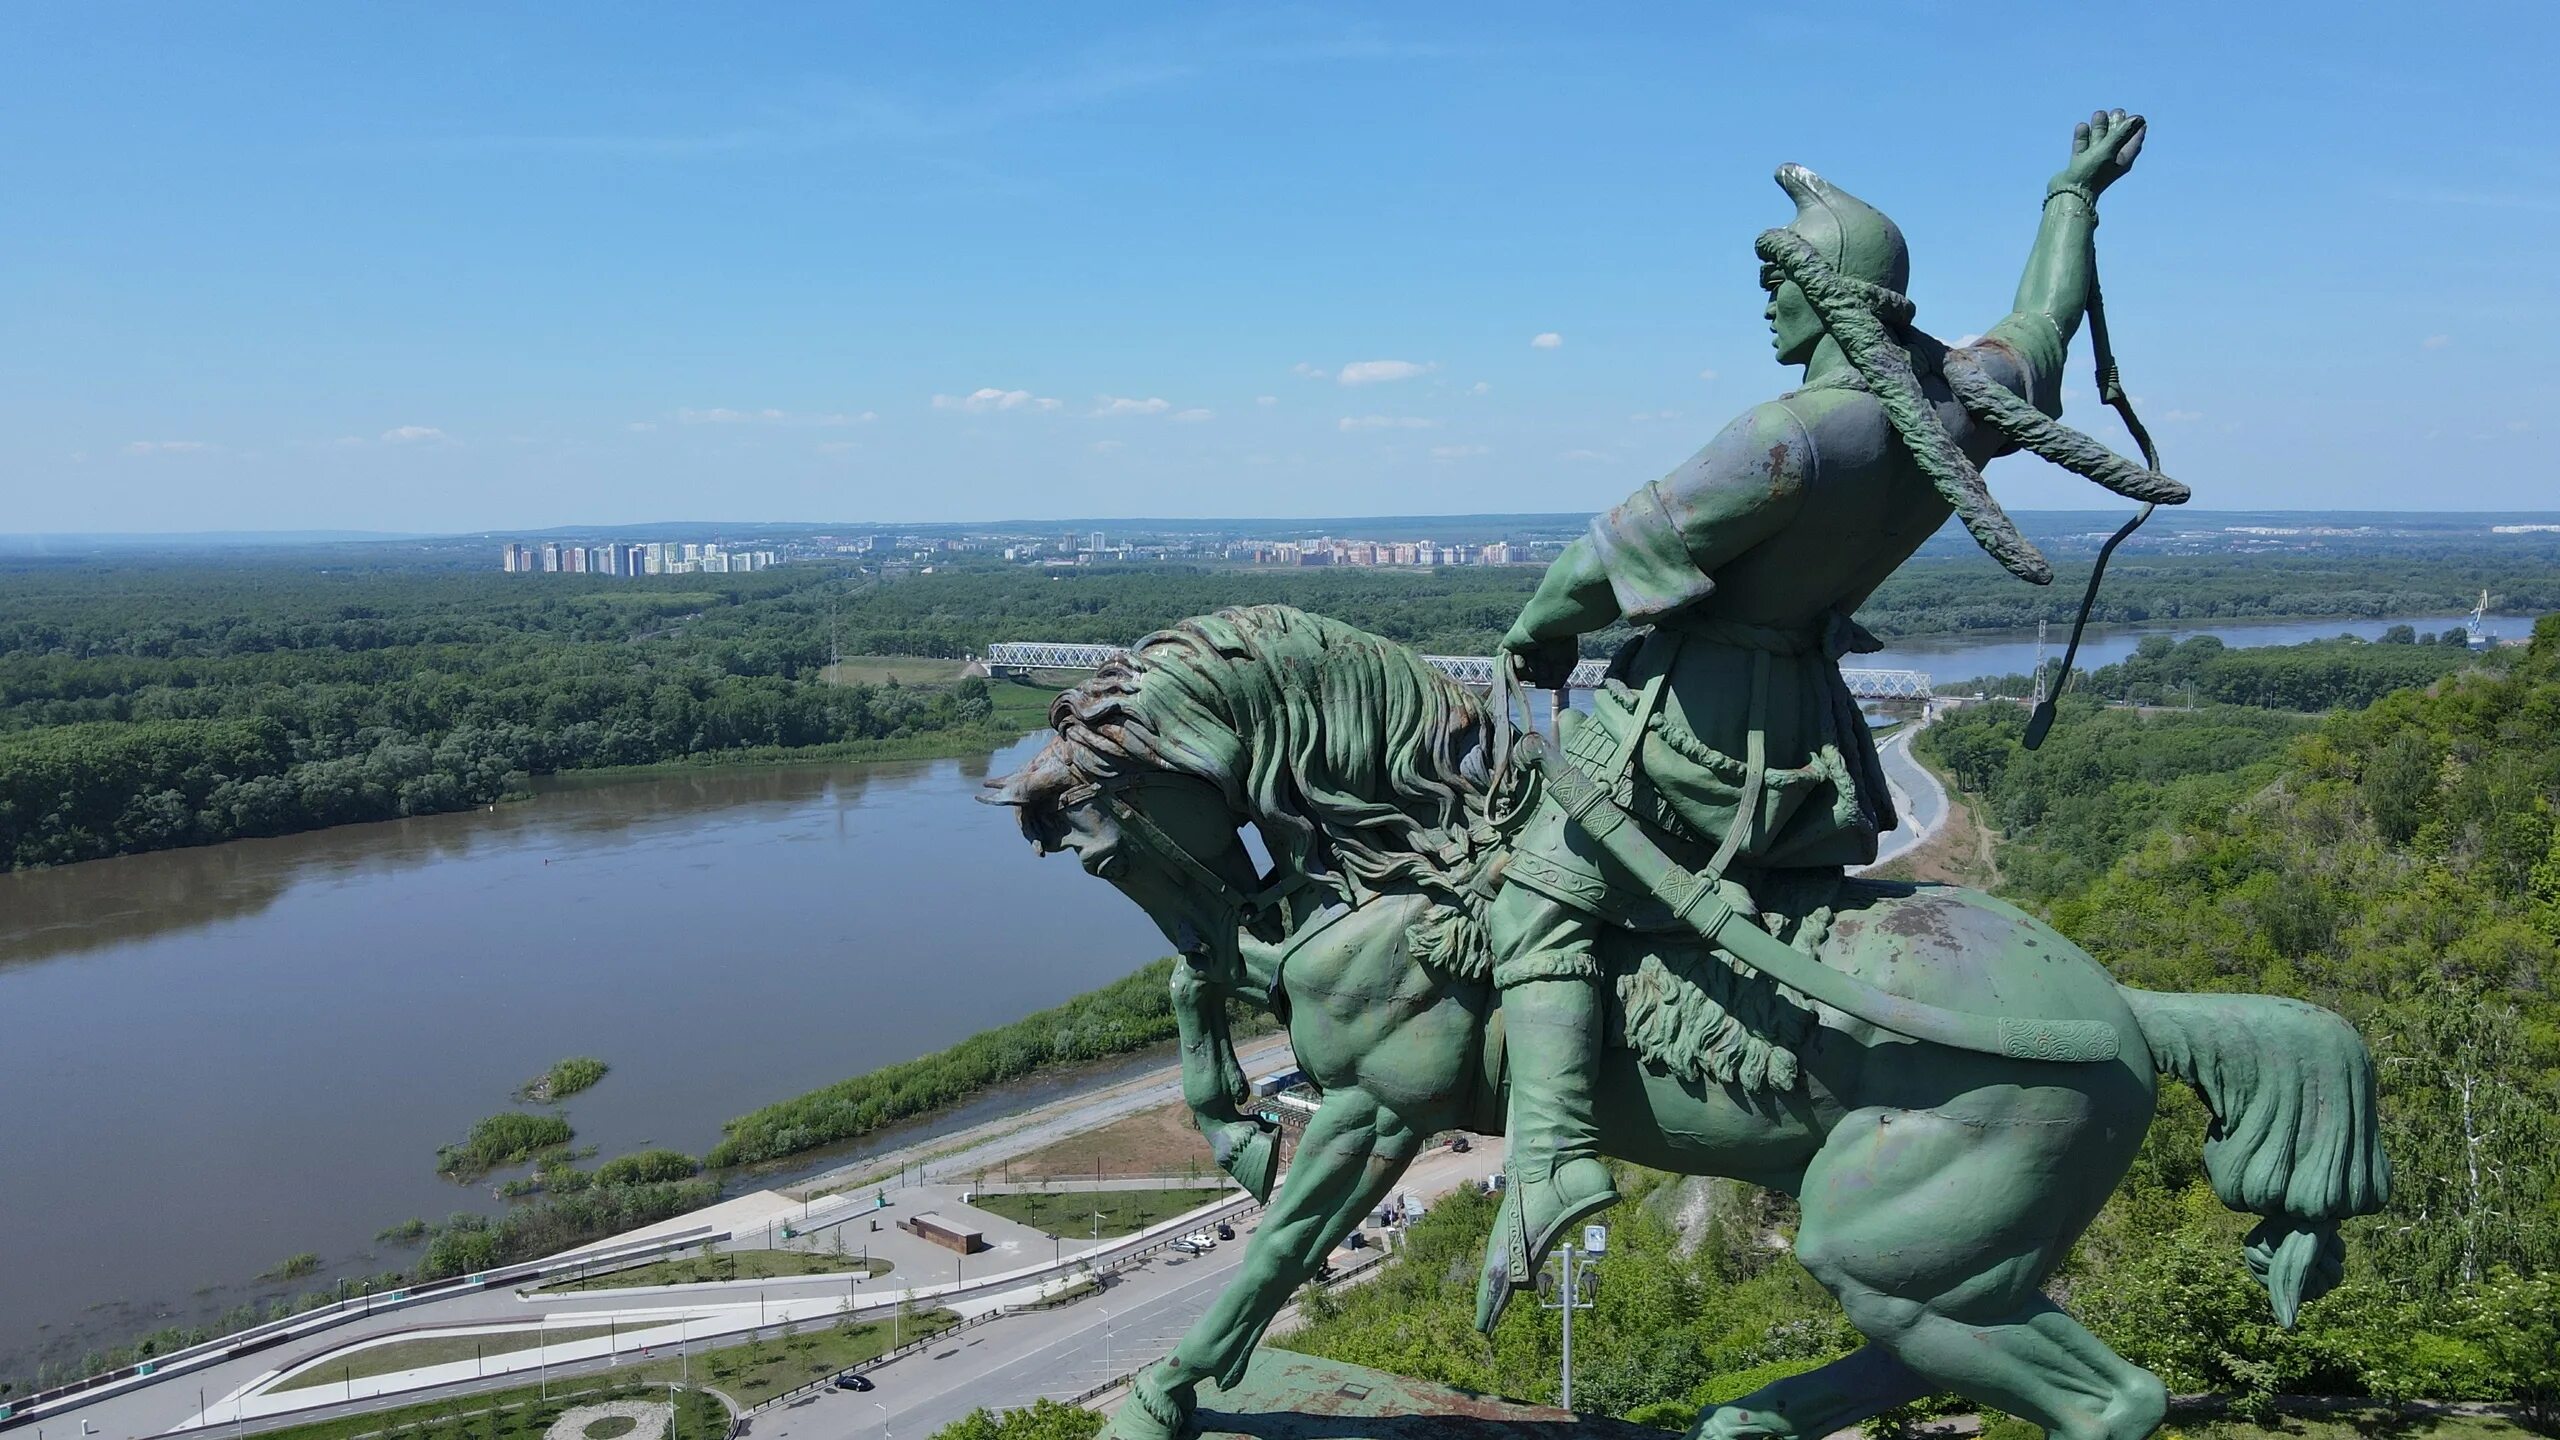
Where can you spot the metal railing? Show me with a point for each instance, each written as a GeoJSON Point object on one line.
{"type": "Point", "coordinates": [275, 1332]}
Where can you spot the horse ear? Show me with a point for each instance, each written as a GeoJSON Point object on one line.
{"type": "Point", "coordinates": [1035, 784]}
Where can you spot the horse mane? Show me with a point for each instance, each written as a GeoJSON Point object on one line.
{"type": "Point", "coordinates": [1356, 759]}
{"type": "Point", "coordinates": [1366, 766]}
{"type": "Point", "coordinates": [1344, 747]}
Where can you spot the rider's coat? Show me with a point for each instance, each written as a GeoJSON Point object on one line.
{"type": "Point", "coordinates": [1746, 563]}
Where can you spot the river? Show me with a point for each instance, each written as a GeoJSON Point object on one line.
{"type": "Point", "coordinates": [222, 1057]}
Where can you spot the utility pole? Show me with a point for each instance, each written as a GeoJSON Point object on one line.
{"type": "Point", "coordinates": [2037, 701]}
{"type": "Point", "coordinates": [1566, 1287]}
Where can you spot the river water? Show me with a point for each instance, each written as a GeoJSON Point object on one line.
{"type": "Point", "coordinates": [217, 1058]}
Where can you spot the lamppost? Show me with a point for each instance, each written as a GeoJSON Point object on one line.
{"type": "Point", "coordinates": [1567, 1288]}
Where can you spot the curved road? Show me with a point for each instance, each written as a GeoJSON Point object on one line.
{"type": "Point", "coordinates": [1917, 796]}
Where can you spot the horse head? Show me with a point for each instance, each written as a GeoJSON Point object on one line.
{"type": "Point", "coordinates": [1164, 839]}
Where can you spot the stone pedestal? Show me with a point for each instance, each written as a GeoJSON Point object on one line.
{"type": "Point", "coordinates": [1295, 1397]}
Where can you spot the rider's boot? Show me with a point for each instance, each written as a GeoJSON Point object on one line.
{"type": "Point", "coordinates": [1555, 1175]}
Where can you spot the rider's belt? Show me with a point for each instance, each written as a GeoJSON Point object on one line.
{"type": "Point", "coordinates": [1695, 899]}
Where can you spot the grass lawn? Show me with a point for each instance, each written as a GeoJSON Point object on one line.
{"type": "Point", "coordinates": [730, 1265]}
{"type": "Point", "coordinates": [1026, 704]}
{"type": "Point", "coordinates": [756, 1372]}
{"type": "Point", "coordinates": [440, 1350]}
{"type": "Point", "coordinates": [1071, 1212]}
{"type": "Point", "coordinates": [1155, 1142]}
{"type": "Point", "coordinates": [521, 1414]}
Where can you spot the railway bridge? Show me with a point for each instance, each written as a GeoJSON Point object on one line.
{"type": "Point", "coordinates": [1020, 657]}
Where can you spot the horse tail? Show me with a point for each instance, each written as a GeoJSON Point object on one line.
{"type": "Point", "coordinates": [2296, 1135]}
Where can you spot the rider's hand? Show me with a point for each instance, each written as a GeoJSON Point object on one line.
{"type": "Point", "coordinates": [1541, 664]}
{"type": "Point", "coordinates": [2102, 149]}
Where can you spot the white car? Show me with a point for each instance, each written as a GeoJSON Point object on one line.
{"type": "Point", "coordinates": [1187, 1246]}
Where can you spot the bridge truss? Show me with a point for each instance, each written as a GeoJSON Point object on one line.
{"type": "Point", "coordinates": [1018, 656]}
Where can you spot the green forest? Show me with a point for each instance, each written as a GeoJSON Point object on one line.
{"type": "Point", "coordinates": [1124, 1016]}
{"type": "Point", "coordinates": [150, 706]}
{"type": "Point", "coordinates": [2316, 675]}
{"type": "Point", "coordinates": [159, 702]}
{"type": "Point", "coordinates": [1465, 610]}
{"type": "Point", "coordinates": [2398, 862]}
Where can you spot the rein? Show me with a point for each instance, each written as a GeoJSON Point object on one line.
{"type": "Point", "coordinates": [2110, 392]}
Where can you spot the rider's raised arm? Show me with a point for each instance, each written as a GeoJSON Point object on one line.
{"type": "Point", "coordinates": [2054, 292]}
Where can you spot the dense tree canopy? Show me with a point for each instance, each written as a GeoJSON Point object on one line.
{"type": "Point", "coordinates": [180, 704]}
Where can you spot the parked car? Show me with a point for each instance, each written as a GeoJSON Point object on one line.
{"type": "Point", "coordinates": [1459, 1146]}
{"type": "Point", "coordinates": [852, 1380]}
{"type": "Point", "coordinates": [1226, 1231]}
{"type": "Point", "coordinates": [1187, 1246]}
{"type": "Point", "coordinates": [1356, 1241]}
{"type": "Point", "coordinates": [1203, 1239]}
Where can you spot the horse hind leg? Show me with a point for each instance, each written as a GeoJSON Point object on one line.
{"type": "Point", "coordinates": [1817, 1402]}
{"type": "Point", "coordinates": [1920, 1225]}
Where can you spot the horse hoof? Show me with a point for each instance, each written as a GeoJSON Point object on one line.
{"type": "Point", "coordinates": [1150, 1413]}
{"type": "Point", "coordinates": [1732, 1422]}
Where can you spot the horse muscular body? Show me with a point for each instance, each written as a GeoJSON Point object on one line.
{"type": "Point", "coordinates": [1938, 1188]}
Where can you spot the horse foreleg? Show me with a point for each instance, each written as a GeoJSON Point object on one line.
{"type": "Point", "coordinates": [1353, 1153]}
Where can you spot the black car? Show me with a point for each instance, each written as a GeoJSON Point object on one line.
{"type": "Point", "coordinates": [851, 1380]}
{"type": "Point", "coordinates": [1226, 1231]}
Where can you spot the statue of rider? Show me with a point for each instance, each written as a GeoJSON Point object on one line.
{"type": "Point", "coordinates": [1725, 727]}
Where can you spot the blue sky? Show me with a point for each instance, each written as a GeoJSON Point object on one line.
{"type": "Point", "coordinates": [449, 267]}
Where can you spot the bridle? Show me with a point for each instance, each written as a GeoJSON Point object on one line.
{"type": "Point", "coordinates": [1262, 911]}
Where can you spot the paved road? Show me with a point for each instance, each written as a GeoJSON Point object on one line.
{"type": "Point", "coordinates": [1064, 1352]}
{"type": "Point", "coordinates": [1917, 795]}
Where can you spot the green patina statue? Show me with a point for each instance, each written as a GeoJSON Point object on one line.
{"type": "Point", "coordinates": [1642, 945]}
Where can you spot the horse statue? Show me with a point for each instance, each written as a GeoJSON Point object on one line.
{"type": "Point", "coordinates": [1940, 1180]}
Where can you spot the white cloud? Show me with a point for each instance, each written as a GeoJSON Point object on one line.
{"type": "Point", "coordinates": [1193, 416]}
{"type": "Point", "coordinates": [1370, 372]}
{"type": "Point", "coordinates": [987, 399]}
{"type": "Point", "coordinates": [1266, 399]}
{"type": "Point", "coordinates": [1108, 406]}
{"type": "Point", "coordinates": [170, 447]}
{"type": "Point", "coordinates": [1707, 375]}
{"type": "Point", "coordinates": [1644, 415]}
{"type": "Point", "coordinates": [1967, 339]}
{"type": "Point", "coordinates": [1351, 423]}
{"type": "Point", "coordinates": [1480, 387]}
{"type": "Point", "coordinates": [641, 426]}
{"type": "Point", "coordinates": [2435, 342]}
{"type": "Point", "coordinates": [1597, 455]}
{"type": "Point", "coordinates": [862, 418]}
{"type": "Point", "coordinates": [1108, 447]}
{"type": "Point", "coordinates": [2519, 426]}
{"type": "Point", "coordinates": [1459, 452]}
{"type": "Point", "coordinates": [2180, 417]}
{"type": "Point", "coordinates": [1546, 340]}
{"type": "Point", "coordinates": [1311, 372]}
{"type": "Point", "coordinates": [838, 447]}
{"type": "Point", "coordinates": [411, 435]}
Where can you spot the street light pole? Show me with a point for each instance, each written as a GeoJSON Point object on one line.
{"type": "Point", "coordinates": [1572, 1291]}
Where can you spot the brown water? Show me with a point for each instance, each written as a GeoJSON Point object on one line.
{"type": "Point", "coordinates": [213, 1059]}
